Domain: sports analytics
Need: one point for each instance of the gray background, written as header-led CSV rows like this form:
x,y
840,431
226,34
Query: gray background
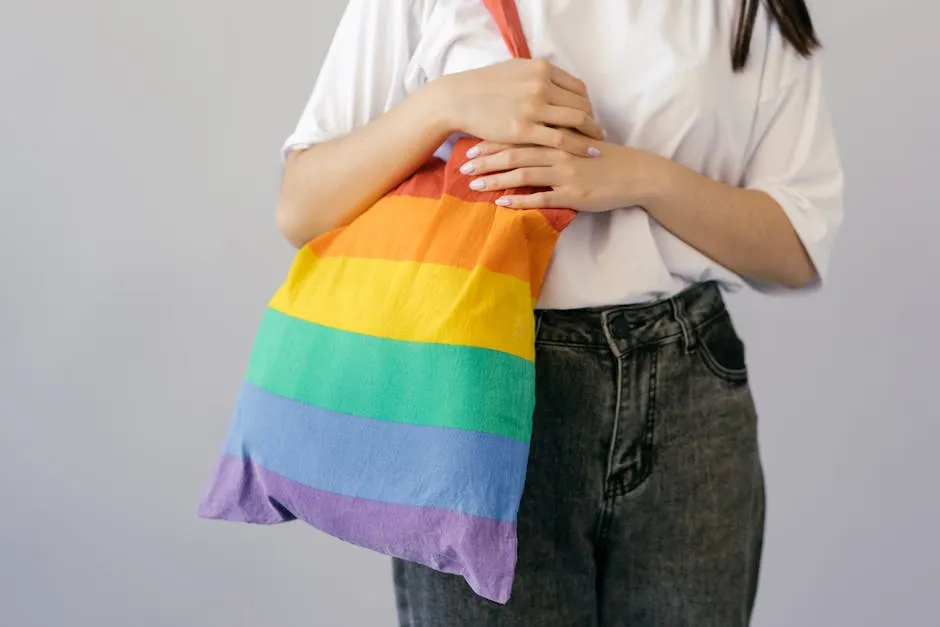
x,y
139,172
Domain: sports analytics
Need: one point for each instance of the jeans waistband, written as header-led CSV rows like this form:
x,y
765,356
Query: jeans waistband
x,y
623,327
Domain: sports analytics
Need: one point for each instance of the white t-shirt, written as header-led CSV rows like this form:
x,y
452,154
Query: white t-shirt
x,y
659,75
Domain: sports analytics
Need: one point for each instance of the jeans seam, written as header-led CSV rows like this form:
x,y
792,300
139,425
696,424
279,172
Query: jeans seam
x,y
720,311
651,412
615,432
596,347
660,341
646,441
603,522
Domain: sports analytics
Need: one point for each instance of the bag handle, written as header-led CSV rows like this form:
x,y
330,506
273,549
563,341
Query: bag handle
x,y
510,26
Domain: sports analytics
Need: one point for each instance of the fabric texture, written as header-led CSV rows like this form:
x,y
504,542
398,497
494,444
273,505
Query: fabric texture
x,y
659,76
389,395
644,499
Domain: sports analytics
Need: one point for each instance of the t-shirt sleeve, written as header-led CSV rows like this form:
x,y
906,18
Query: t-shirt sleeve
x,y
363,74
796,160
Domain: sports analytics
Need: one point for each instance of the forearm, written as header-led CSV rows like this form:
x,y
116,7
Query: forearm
x,y
744,230
330,184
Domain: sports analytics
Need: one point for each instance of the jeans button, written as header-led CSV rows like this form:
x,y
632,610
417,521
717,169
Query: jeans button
x,y
620,326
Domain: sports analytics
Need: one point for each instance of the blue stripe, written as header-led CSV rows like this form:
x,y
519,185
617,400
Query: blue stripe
x,y
404,464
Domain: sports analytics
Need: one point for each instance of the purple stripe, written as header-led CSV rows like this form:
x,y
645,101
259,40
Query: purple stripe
x,y
481,550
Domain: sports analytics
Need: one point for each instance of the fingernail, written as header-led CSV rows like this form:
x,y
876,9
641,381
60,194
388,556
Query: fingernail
x,y
467,168
473,152
477,184
594,152
503,202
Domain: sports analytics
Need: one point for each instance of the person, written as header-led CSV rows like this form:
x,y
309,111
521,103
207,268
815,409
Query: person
x,y
694,140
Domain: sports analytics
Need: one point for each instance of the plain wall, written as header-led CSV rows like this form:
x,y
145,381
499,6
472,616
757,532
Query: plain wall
x,y
138,175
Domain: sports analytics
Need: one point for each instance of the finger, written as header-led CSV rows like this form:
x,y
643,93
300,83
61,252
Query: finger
x,y
563,98
486,148
522,177
571,118
567,81
562,139
512,159
538,200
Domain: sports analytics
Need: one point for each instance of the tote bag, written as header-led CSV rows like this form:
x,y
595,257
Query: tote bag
x,y
390,389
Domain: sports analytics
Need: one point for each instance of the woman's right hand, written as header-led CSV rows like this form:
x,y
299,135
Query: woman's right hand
x,y
522,101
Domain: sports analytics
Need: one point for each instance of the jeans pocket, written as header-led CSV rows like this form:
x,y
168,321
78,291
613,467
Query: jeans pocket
x,y
722,350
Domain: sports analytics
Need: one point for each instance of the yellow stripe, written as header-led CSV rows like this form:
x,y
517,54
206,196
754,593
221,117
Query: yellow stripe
x,y
411,301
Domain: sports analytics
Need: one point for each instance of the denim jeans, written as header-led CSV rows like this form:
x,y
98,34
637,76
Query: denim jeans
x,y
644,496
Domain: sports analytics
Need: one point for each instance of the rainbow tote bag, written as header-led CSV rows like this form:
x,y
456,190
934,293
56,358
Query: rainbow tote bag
x,y
389,394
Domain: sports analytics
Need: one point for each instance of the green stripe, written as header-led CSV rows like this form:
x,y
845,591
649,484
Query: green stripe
x,y
425,384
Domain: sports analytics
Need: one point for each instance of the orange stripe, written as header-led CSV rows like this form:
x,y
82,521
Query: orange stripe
x,y
437,177
447,231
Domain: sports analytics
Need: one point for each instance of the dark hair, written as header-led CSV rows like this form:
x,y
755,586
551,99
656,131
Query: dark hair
x,y
791,17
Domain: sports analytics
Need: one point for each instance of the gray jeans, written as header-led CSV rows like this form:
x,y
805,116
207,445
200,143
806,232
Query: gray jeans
x,y
644,497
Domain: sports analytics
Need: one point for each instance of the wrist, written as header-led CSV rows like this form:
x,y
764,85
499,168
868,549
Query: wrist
x,y
655,179
437,109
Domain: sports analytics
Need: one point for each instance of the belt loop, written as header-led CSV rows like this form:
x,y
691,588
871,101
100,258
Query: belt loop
x,y
538,323
612,340
688,333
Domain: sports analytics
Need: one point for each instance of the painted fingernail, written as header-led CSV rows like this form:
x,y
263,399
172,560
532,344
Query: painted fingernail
x,y
467,168
594,152
503,202
473,152
477,184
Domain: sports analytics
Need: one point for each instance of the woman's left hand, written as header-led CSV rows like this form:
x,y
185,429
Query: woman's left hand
x,y
745,230
616,177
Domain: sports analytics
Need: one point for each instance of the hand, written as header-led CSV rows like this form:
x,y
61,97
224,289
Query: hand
x,y
619,177
522,101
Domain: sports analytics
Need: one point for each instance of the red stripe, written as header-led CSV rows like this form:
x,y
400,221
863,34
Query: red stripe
x,y
506,15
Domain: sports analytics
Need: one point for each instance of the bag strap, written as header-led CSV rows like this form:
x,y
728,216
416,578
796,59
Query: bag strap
x,y
510,26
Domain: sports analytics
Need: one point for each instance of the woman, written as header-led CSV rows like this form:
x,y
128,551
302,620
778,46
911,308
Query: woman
x,y
694,140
